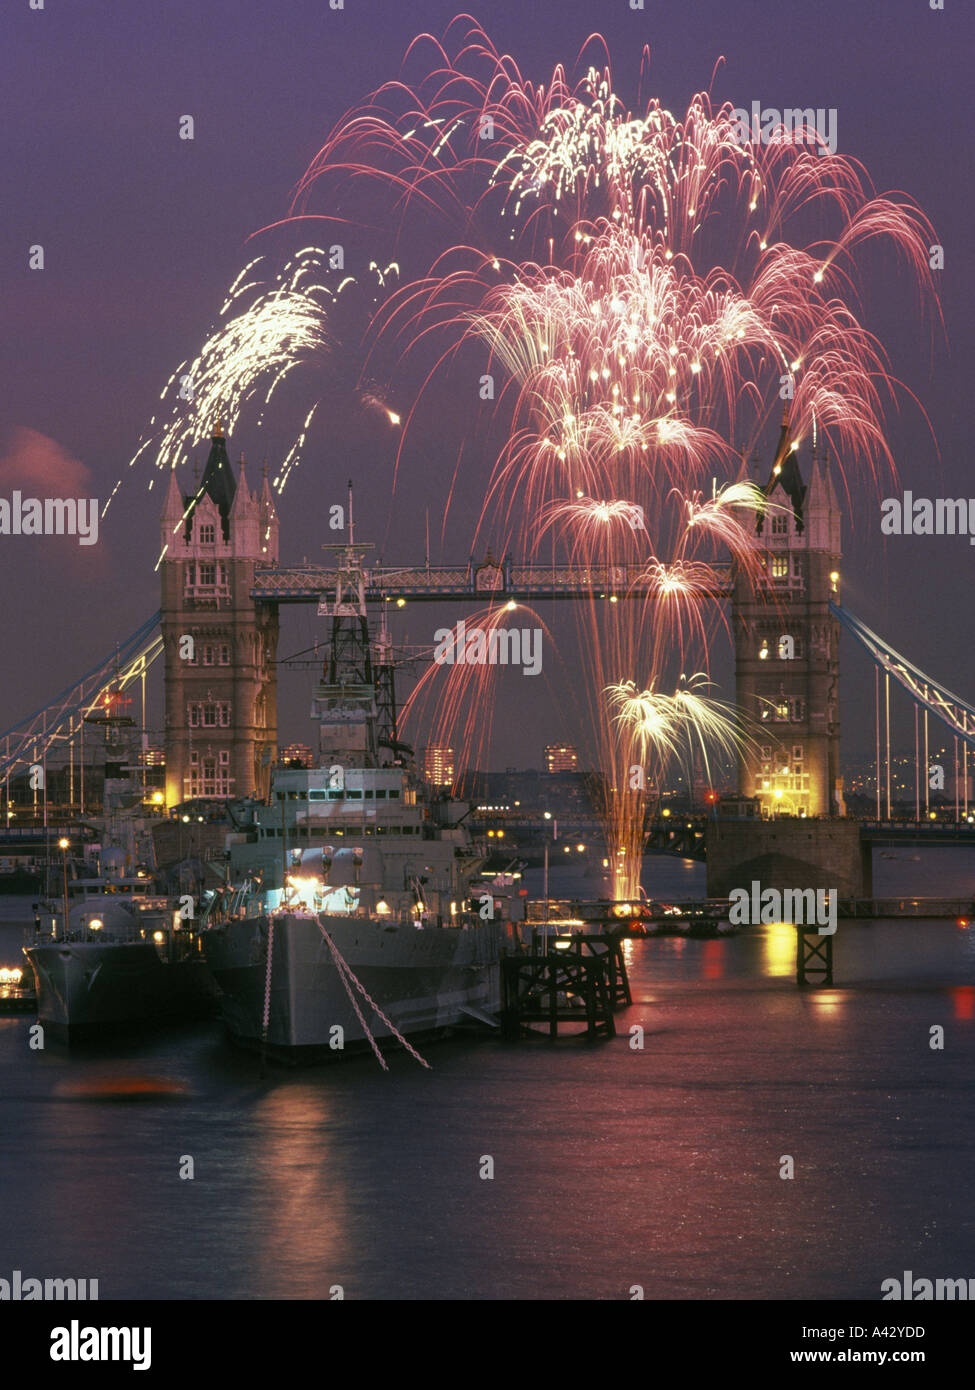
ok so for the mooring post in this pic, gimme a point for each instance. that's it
(814, 957)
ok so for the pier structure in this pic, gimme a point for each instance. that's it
(564, 979)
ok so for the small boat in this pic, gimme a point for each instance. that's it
(124, 958)
(17, 993)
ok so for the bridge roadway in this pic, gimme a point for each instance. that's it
(489, 580)
(683, 834)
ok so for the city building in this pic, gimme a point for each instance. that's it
(438, 766)
(561, 757)
(299, 753)
(219, 644)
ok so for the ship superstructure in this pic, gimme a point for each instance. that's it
(350, 902)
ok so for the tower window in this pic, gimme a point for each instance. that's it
(208, 576)
(790, 647)
(209, 714)
(780, 525)
(208, 534)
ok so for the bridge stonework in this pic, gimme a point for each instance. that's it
(787, 647)
(787, 854)
(220, 644)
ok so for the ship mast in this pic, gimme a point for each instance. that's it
(355, 702)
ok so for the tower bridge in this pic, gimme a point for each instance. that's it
(222, 587)
(475, 582)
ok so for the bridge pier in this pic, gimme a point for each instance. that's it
(800, 853)
(866, 867)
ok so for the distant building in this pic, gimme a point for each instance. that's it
(296, 753)
(438, 766)
(561, 757)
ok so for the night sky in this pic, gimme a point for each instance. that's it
(143, 233)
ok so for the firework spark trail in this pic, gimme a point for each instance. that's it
(677, 297)
(647, 287)
(462, 698)
(268, 332)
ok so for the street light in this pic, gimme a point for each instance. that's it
(555, 835)
(63, 845)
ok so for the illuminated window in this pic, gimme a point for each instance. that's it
(779, 566)
(210, 714)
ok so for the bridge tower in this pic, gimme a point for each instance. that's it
(787, 645)
(219, 644)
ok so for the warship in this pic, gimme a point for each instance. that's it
(122, 956)
(352, 909)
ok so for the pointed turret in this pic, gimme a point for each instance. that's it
(243, 498)
(269, 519)
(218, 477)
(173, 505)
(171, 514)
(785, 474)
(822, 507)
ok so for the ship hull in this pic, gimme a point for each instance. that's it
(426, 981)
(84, 988)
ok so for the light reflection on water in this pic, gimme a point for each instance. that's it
(345, 1175)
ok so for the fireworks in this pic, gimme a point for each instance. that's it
(267, 332)
(645, 290)
(664, 286)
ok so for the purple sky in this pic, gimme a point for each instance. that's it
(143, 233)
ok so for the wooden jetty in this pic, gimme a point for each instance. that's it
(578, 979)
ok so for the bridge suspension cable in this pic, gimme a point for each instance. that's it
(932, 696)
(28, 742)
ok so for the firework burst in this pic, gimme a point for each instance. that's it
(645, 288)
